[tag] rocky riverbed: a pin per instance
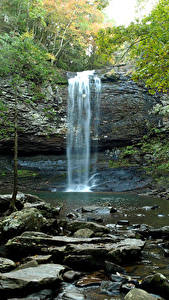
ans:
(48, 253)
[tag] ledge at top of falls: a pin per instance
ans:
(126, 114)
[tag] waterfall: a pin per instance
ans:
(83, 119)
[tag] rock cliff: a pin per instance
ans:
(125, 115)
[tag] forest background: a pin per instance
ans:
(40, 39)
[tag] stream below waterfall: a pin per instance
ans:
(118, 188)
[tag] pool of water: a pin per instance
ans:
(132, 207)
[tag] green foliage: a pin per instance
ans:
(147, 42)
(21, 57)
(63, 28)
(129, 151)
(101, 3)
(151, 153)
(26, 173)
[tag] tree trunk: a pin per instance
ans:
(15, 170)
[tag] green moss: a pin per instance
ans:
(26, 173)
(120, 163)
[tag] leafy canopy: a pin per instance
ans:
(147, 42)
(63, 28)
(22, 58)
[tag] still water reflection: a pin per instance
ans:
(136, 209)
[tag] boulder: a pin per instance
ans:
(71, 275)
(6, 199)
(20, 221)
(23, 281)
(110, 288)
(86, 233)
(139, 295)
(113, 268)
(6, 264)
(82, 262)
(96, 228)
(156, 233)
(156, 283)
(126, 251)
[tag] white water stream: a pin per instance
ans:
(83, 119)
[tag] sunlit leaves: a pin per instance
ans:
(21, 57)
(64, 28)
(147, 43)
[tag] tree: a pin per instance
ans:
(146, 42)
(64, 28)
(20, 59)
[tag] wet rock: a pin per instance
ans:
(150, 207)
(82, 262)
(113, 268)
(125, 251)
(89, 249)
(162, 232)
(139, 295)
(89, 209)
(121, 179)
(93, 279)
(156, 233)
(6, 265)
(93, 255)
(21, 200)
(26, 219)
(6, 199)
(72, 296)
(30, 243)
(155, 207)
(46, 209)
(40, 259)
(71, 275)
(76, 225)
(29, 264)
(118, 278)
(41, 295)
(113, 210)
(123, 222)
(86, 233)
(110, 288)
(125, 288)
(71, 216)
(26, 280)
(157, 283)
(165, 248)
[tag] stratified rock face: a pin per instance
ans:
(125, 115)
(125, 112)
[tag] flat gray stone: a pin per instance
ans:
(73, 296)
(29, 278)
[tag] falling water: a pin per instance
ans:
(83, 118)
